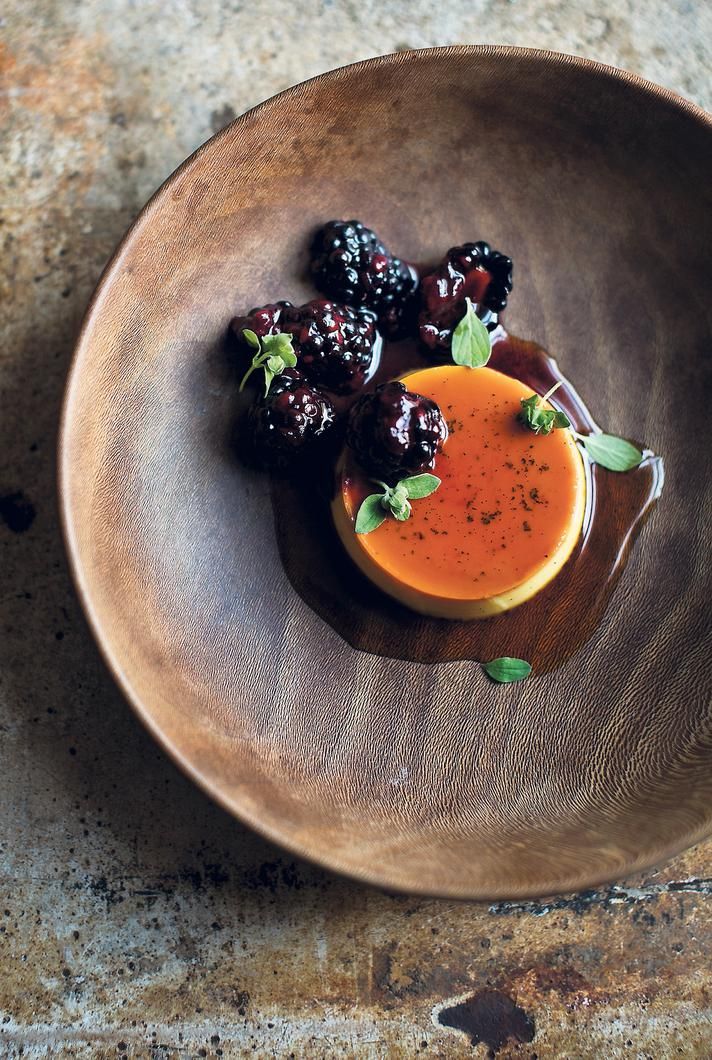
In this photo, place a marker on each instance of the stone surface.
(136, 918)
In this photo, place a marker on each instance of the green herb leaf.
(536, 418)
(394, 501)
(470, 340)
(275, 364)
(615, 454)
(279, 343)
(251, 339)
(539, 419)
(419, 486)
(370, 515)
(506, 670)
(274, 354)
(401, 513)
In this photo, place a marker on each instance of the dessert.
(505, 519)
(458, 483)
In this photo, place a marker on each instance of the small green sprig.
(615, 454)
(393, 501)
(274, 354)
(470, 340)
(539, 419)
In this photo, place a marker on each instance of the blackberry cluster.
(474, 271)
(351, 264)
(287, 424)
(394, 432)
(336, 346)
(336, 341)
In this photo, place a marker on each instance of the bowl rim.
(643, 87)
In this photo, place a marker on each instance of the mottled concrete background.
(137, 918)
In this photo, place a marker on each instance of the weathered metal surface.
(136, 918)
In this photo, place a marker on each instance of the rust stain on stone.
(69, 84)
(7, 65)
(548, 976)
(392, 978)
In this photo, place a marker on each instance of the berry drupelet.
(472, 271)
(282, 428)
(336, 346)
(394, 432)
(350, 263)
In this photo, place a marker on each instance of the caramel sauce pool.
(546, 630)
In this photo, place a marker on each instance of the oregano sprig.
(470, 340)
(539, 419)
(611, 452)
(393, 501)
(274, 353)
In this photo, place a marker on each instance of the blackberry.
(287, 424)
(472, 271)
(394, 432)
(336, 346)
(350, 263)
(264, 320)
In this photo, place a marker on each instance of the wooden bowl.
(426, 779)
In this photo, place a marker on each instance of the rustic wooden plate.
(422, 778)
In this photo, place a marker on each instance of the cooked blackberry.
(336, 346)
(351, 264)
(286, 425)
(263, 320)
(472, 271)
(395, 433)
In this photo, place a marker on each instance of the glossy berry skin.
(352, 265)
(263, 320)
(473, 271)
(395, 433)
(336, 346)
(284, 427)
